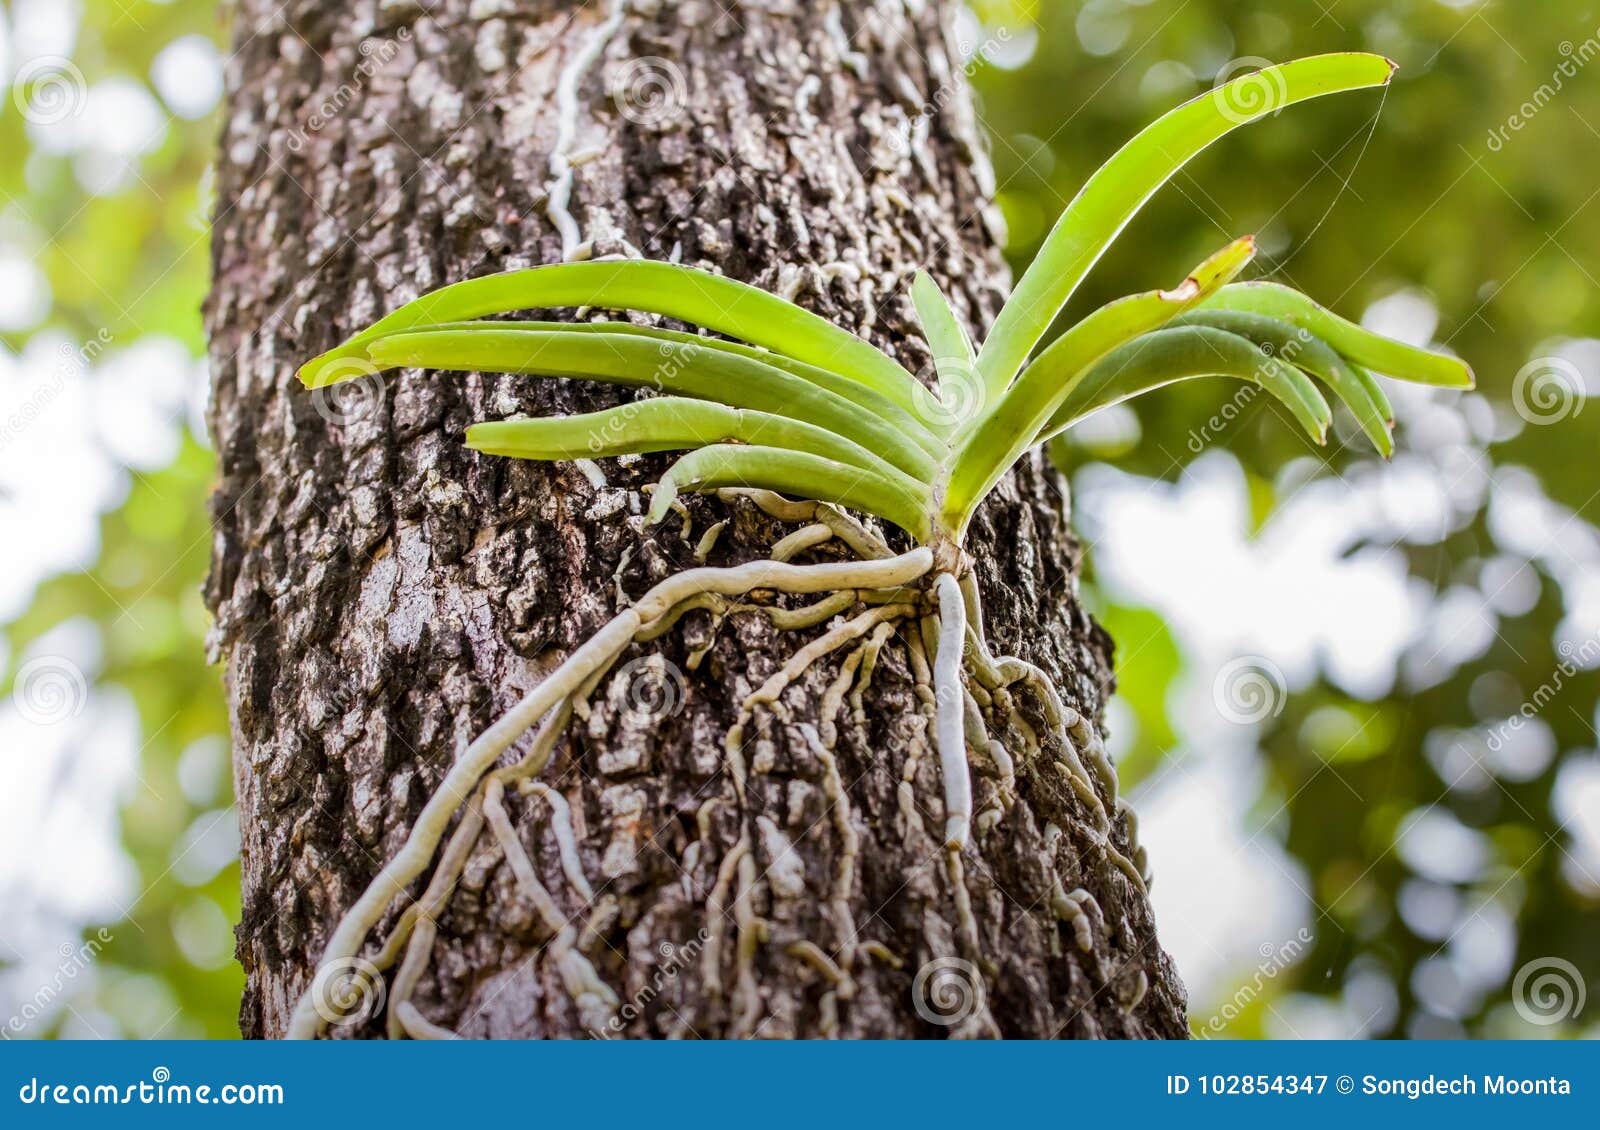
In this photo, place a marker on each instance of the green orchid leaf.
(1175, 354)
(1120, 187)
(698, 297)
(1301, 348)
(666, 423)
(1362, 346)
(1013, 425)
(870, 401)
(797, 473)
(801, 406)
(686, 368)
(1379, 398)
(955, 363)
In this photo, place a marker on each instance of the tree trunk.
(382, 594)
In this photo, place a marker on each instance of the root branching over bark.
(962, 687)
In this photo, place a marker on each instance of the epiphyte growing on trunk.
(798, 406)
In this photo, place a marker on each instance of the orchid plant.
(797, 406)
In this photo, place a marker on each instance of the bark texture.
(382, 593)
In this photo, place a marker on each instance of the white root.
(833, 697)
(425, 913)
(716, 919)
(566, 842)
(869, 662)
(852, 629)
(594, 998)
(413, 858)
(949, 713)
(922, 680)
(708, 541)
(867, 545)
(812, 954)
(844, 876)
(752, 931)
(579, 670)
(946, 648)
(1141, 985)
(419, 1027)
(807, 537)
(1070, 910)
(558, 193)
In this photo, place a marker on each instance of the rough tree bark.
(381, 593)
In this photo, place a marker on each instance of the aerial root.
(950, 710)
(582, 669)
(997, 674)
(869, 663)
(716, 919)
(813, 955)
(594, 999)
(944, 652)
(419, 935)
(981, 1022)
(922, 681)
(866, 544)
(1073, 910)
(809, 537)
(1141, 860)
(708, 541)
(768, 693)
(844, 875)
(833, 697)
(415, 1026)
(752, 931)
(566, 842)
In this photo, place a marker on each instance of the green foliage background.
(1502, 238)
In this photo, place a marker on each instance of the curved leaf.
(1013, 425)
(685, 368)
(953, 358)
(1175, 354)
(869, 400)
(699, 297)
(1362, 346)
(1297, 346)
(797, 473)
(1120, 187)
(665, 423)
